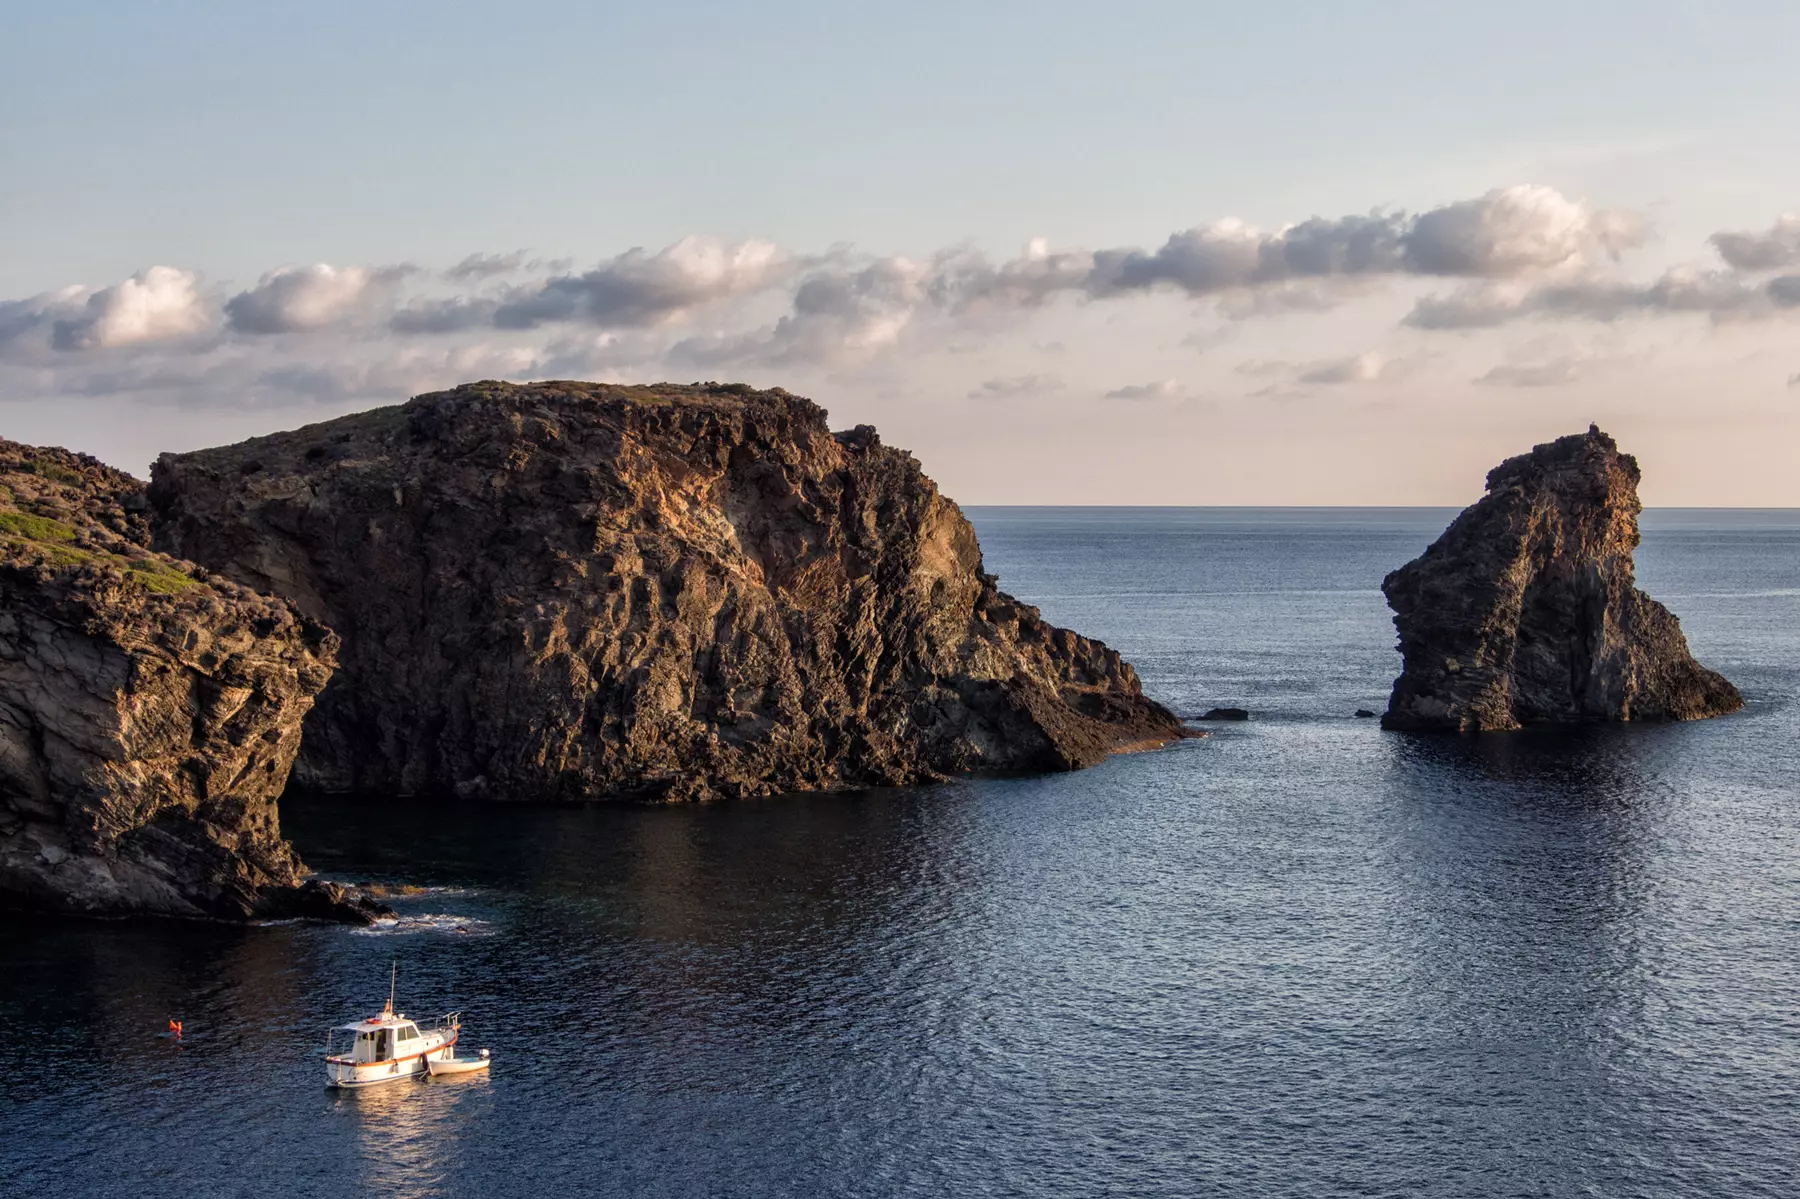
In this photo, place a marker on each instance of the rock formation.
(570, 590)
(148, 714)
(1526, 611)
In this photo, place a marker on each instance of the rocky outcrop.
(570, 590)
(148, 714)
(1526, 610)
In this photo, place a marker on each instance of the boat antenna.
(393, 978)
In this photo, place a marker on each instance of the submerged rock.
(1225, 714)
(1526, 611)
(148, 714)
(571, 590)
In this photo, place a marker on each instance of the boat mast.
(393, 977)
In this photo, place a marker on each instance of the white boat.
(439, 1065)
(389, 1047)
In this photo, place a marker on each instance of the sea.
(1300, 957)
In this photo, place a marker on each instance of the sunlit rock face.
(572, 590)
(1526, 610)
(149, 713)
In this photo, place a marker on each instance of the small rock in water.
(1226, 714)
(1364, 714)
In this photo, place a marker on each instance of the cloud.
(486, 266)
(159, 304)
(296, 299)
(451, 315)
(636, 289)
(1540, 374)
(1718, 294)
(1794, 379)
(1513, 231)
(1016, 385)
(1162, 389)
(1774, 248)
(1358, 368)
(836, 313)
(1507, 233)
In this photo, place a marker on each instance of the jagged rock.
(1225, 714)
(571, 590)
(1364, 714)
(1526, 611)
(148, 714)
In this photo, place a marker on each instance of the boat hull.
(355, 1075)
(442, 1067)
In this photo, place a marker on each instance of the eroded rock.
(1526, 610)
(148, 714)
(570, 590)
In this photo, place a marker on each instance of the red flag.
(175, 1027)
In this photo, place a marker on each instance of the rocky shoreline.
(148, 713)
(549, 592)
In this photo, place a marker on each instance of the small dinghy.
(438, 1066)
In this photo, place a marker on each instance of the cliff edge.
(148, 714)
(574, 590)
(1526, 610)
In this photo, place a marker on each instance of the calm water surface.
(1302, 958)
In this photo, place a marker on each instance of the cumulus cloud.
(837, 312)
(1515, 230)
(160, 304)
(1161, 389)
(637, 289)
(1008, 386)
(1770, 250)
(297, 299)
(1506, 233)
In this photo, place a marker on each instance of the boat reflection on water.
(409, 1138)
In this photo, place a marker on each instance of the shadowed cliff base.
(148, 713)
(575, 590)
(1526, 611)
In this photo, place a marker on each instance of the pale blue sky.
(230, 139)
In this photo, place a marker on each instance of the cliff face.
(148, 715)
(1526, 610)
(576, 590)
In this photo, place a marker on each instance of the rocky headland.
(578, 591)
(1526, 610)
(149, 714)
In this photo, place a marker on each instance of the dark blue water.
(1302, 958)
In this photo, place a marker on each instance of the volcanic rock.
(148, 715)
(572, 590)
(1526, 611)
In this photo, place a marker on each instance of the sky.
(1122, 253)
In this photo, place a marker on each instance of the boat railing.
(448, 1022)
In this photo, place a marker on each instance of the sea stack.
(148, 714)
(583, 591)
(1526, 610)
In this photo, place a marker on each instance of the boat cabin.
(377, 1039)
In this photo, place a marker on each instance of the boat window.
(408, 1032)
(382, 1043)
